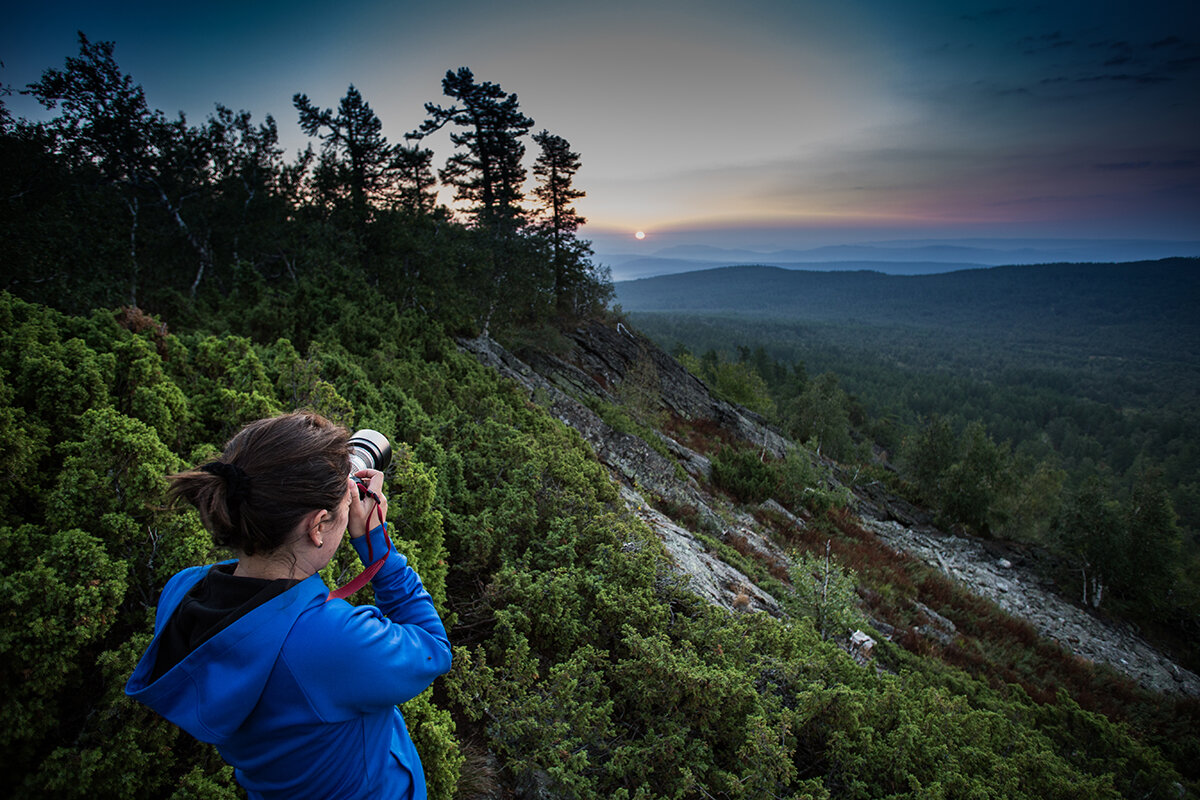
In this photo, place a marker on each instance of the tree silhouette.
(555, 169)
(357, 163)
(104, 123)
(414, 171)
(487, 172)
(247, 164)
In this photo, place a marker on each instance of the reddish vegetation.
(702, 435)
(776, 568)
(991, 644)
(134, 319)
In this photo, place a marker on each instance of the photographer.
(296, 687)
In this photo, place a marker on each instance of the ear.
(312, 524)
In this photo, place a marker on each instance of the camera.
(369, 450)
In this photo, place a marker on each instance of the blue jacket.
(300, 694)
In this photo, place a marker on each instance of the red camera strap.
(367, 574)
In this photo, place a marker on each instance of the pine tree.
(555, 168)
(928, 455)
(247, 166)
(820, 413)
(974, 482)
(415, 180)
(508, 272)
(487, 172)
(1092, 533)
(357, 162)
(104, 123)
(1155, 543)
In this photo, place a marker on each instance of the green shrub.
(744, 474)
(582, 661)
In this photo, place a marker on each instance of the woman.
(298, 691)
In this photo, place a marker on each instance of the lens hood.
(369, 450)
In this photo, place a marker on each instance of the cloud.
(1048, 41)
(1183, 64)
(1175, 165)
(1125, 77)
(990, 15)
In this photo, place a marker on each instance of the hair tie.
(237, 482)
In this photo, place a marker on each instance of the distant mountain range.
(920, 257)
(1080, 298)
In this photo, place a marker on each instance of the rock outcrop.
(639, 468)
(998, 579)
(603, 359)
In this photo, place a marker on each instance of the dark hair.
(272, 473)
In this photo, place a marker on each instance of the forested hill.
(1058, 299)
(1008, 395)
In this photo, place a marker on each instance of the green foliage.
(1062, 396)
(821, 413)
(802, 483)
(90, 552)
(61, 594)
(1028, 512)
(735, 381)
(1155, 537)
(927, 455)
(581, 662)
(744, 473)
(794, 481)
(1130, 550)
(824, 591)
(972, 485)
(433, 732)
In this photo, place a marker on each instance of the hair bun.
(237, 482)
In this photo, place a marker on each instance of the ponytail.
(271, 474)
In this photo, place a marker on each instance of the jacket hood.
(215, 687)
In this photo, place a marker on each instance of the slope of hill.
(584, 664)
(602, 356)
(1089, 368)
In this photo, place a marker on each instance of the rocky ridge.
(603, 357)
(1001, 580)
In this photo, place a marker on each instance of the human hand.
(363, 514)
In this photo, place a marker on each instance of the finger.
(372, 477)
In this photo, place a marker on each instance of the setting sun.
(640, 235)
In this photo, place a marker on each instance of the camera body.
(368, 450)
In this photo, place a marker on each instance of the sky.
(760, 124)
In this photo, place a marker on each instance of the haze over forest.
(895, 257)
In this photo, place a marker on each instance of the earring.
(321, 543)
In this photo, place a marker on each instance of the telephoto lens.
(369, 450)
